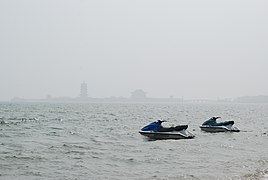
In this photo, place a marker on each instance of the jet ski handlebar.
(161, 121)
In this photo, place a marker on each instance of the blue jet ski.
(212, 126)
(156, 131)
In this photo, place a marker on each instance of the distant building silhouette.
(83, 90)
(138, 94)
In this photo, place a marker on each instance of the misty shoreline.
(243, 99)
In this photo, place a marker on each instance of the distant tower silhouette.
(83, 90)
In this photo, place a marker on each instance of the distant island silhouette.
(137, 96)
(252, 99)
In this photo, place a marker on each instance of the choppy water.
(101, 141)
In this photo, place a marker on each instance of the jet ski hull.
(219, 128)
(184, 134)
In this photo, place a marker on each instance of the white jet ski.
(226, 128)
(183, 134)
(212, 126)
(156, 131)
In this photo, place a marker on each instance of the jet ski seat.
(170, 129)
(226, 123)
(181, 127)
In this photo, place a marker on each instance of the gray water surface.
(101, 141)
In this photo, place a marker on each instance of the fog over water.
(190, 49)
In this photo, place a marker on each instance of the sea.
(68, 141)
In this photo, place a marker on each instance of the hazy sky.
(191, 49)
